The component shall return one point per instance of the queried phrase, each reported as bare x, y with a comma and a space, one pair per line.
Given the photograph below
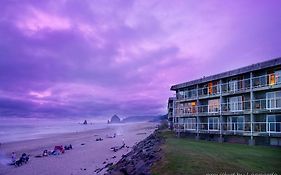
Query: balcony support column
220, 90
197, 114
173, 113
251, 141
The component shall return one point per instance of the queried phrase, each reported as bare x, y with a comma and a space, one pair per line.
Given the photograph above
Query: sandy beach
86, 156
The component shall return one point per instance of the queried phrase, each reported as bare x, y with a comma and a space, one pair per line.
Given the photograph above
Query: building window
274, 77
191, 124
213, 106
233, 86
278, 77
273, 123
271, 79
191, 107
273, 100
192, 93
210, 88
236, 123
213, 88
235, 104
213, 123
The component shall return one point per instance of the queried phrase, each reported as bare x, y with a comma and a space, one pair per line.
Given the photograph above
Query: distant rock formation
85, 122
115, 119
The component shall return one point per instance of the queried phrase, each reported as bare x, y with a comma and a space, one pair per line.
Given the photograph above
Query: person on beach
123, 141
14, 157
45, 152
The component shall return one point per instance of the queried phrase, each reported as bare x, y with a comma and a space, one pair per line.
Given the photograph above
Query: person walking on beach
14, 157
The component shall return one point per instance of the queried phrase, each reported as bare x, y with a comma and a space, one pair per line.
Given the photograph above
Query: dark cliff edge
140, 160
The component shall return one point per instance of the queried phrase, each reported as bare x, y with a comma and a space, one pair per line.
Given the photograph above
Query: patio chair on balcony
256, 83
247, 127
257, 106
258, 128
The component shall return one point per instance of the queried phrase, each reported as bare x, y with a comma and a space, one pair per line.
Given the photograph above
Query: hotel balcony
187, 111
211, 91
236, 87
240, 107
233, 128
262, 82
267, 81
267, 105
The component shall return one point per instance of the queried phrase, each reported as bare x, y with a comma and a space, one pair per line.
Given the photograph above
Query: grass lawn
187, 156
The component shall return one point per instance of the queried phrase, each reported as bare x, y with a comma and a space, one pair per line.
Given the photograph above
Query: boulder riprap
140, 160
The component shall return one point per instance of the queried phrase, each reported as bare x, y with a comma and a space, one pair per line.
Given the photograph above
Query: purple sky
97, 58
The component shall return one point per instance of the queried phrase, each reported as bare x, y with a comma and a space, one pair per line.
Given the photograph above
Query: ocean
17, 129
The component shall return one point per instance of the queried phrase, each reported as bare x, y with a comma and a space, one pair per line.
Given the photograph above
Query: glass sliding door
213, 106
213, 123
191, 124
235, 104
236, 123
233, 86
270, 123
273, 100
278, 77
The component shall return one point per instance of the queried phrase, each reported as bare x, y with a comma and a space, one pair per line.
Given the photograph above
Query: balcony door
273, 100
271, 123
274, 78
213, 123
213, 106
233, 86
235, 104
236, 123
191, 124
278, 77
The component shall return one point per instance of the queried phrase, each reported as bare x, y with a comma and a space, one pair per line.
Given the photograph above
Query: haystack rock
115, 119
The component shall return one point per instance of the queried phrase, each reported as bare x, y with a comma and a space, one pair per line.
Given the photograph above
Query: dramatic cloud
90, 58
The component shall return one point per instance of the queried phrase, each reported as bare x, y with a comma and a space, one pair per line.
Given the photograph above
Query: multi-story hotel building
242, 105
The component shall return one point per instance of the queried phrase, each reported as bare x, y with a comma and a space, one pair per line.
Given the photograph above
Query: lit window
271, 79
210, 88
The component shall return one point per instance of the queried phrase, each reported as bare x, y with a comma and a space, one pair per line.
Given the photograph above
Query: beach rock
115, 119
141, 158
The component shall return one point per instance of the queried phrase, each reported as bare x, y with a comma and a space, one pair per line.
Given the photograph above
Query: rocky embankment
140, 160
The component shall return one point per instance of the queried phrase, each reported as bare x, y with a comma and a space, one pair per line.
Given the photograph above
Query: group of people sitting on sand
56, 151
25, 158
18, 162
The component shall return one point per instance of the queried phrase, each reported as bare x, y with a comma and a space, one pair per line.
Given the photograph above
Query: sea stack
115, 119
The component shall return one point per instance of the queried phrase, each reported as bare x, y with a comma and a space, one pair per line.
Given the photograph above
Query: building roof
253, 67
172, 98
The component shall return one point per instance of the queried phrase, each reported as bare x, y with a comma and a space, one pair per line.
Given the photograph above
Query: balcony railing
266, 80
209, 91
259, 105
267, 104
232, 87
236, 86
240, 106
232, 127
